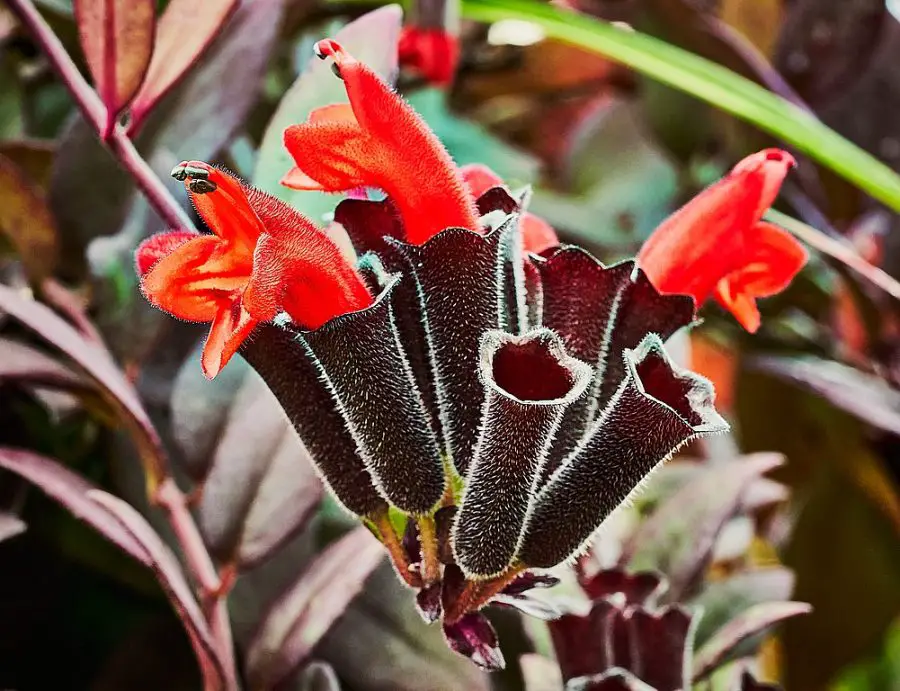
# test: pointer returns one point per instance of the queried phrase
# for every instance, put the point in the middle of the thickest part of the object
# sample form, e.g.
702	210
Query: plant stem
95	113
428	542
395	549
173	501
476	594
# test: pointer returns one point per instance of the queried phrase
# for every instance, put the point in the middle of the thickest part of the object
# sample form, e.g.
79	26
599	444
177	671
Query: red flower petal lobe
772	262
710	236
387	146
231	325
300	270
195	279
158	246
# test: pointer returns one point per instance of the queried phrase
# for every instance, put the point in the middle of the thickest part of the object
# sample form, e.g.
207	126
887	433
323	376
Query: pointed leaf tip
184	32
117	39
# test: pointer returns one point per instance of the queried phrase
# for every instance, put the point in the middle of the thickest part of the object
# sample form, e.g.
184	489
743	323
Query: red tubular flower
214	278
431	52
379	141
537	234
716	245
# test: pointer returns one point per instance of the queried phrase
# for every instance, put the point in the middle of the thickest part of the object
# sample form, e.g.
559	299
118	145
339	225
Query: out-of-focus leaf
758	20
183	32
117	40
825	46
721	601
26	221
73	492
317	86
168	571
410	655
843	528
679	536
878	672
749	623
708	81
10	526
22	363
319	676
304	613
864	396
33	156
261	487
11	124
97	363
540	673
624	185
200	410
468	142
91	196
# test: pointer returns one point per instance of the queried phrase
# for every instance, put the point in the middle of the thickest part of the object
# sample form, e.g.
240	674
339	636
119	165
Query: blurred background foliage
610	152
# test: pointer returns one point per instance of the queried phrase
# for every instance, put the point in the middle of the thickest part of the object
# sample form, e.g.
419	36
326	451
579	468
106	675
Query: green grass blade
707	81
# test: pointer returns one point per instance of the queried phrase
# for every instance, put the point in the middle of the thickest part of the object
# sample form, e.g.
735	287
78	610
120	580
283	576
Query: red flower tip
537	235
263	258
379	141
158	246
432	53
717	245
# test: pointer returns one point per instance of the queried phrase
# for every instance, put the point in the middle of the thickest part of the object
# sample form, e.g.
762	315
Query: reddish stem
173	501
96	115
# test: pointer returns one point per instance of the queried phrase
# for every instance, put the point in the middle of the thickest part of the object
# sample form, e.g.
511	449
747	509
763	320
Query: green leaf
707	81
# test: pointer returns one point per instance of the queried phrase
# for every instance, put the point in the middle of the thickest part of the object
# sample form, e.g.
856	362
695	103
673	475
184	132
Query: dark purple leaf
305	612
22	363
428	602
98	364
638	588
718	649
722	600
583	644
474	637
171	578
661	647
260	486
863	395
10	526
205	110
529	580
117	39
183	33
680	535
71	491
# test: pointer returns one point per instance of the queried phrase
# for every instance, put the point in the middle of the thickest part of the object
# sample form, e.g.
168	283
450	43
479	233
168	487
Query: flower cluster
481	396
